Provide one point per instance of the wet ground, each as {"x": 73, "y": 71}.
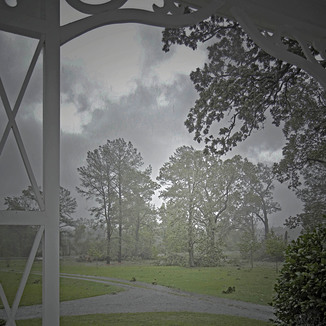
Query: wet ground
{"x": 143, "y": 297}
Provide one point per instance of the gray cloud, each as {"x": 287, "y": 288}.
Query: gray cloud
{"x": 13, "y": 175}
{"x": 263, "y": 145}
{"x": 77, "y": 88}
{"x": 15, "y": 57}
{"x": 155, "y": 129}
{"x": 150, "y": 39}
{"x": 151, "y": 116}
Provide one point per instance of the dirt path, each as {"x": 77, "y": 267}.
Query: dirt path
{"x": 143, "y": 297}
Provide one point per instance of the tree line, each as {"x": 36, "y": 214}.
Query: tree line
{"x": 203, "y": 198}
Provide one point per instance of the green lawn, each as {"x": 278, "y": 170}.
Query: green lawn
{"x": 154, "y": 319}
{"x": 250, "y": 285}
{"x": 70, "y": 289}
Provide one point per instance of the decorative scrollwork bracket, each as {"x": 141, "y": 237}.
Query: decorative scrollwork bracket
{"x": 270, "y": 28}
{"x": 171, "y": 14}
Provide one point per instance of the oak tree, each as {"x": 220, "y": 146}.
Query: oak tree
{"x": 241, "y": 85}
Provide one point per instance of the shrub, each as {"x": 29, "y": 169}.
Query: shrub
{"x": 301, "y": 287}
{"x": 275, "y": 247}
{"x": 209, "y": 260}
{"x": 175, "y": 259}
{"x": 84, "y": 258}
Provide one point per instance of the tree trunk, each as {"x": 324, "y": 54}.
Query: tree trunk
{"x": 266, "y": 223}
{"x": 120, "y": 243}
{"x": 108, "y": 244}
{"x": 191, "y": 255}
{"x": 191, "y": 240}
{"x": 253, "y": 239}
{"x": 120, "y": 223}
{"x": 137, "y": 235}
{"x": 266, "y": 226}
{"x": 251, "y": 258}
{"x": 211, "y": 241}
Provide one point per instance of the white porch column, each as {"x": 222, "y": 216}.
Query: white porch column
{"x": 51, "y": 163}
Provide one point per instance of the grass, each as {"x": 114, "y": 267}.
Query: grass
{"x": 146, "y": 319}
{"x": 70, "y": 289}
{"x": 250, "y": 285}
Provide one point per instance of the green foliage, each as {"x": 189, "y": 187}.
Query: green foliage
{"x": 241, "y": 86}
{"x": 97, "y": 250}
{"x": 313, "y": 196}
{"x": 275, "y": 247}
{"x": 249, "y": 245}
{"x": 83, "y": 237}
{"x": 122, "y": 191}
{"x": 205, "y": 197}
{"x": 301, "y": 287}
{"x": 67, "y": 207}
{"x": 209, "y": 254}
{"x": 181, "y": 177}
{"x": 259, "y": 199}
{"x": 175, "y": 259}
{"x": 305, "y": 132}
{"x": 240, "y": 82}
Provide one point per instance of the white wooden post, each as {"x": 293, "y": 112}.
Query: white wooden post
{"x": 51, "y": 163}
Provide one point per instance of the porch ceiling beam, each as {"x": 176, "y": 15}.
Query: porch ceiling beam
{"x": 268, "y": 22}
{"x": 21, "y": 24}
{"x": 155, "y": 18}
{"x": 308, "y": 17}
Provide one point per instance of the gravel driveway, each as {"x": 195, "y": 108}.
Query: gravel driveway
{"x": 143, "y": 297}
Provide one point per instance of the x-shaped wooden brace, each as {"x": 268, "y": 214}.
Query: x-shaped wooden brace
{"x": 11, "y": 312}
{"x": 10, "y": 320}
{"x": 11, "y": 114}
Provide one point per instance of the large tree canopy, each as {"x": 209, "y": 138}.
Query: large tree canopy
{"x": 205, "y": 197}
{"x": 313, "y": 196}
{"x": 122, "y": 191}
{"x": 241, "y": 86}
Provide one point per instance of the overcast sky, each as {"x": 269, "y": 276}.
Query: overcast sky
{"x": 115, "y": 82}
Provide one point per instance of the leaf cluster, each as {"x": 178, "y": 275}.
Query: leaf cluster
{"x": 205, "y": 197}
{"x": 236, "y": 87}
{"x": 301, "y": 287}
{"x": 313, "y": 197}
{"x": 275, "y": 246}
{"x": 241, "y": 86}
{"x": 305, "y": 132}
{"x": 122, "y": 191}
